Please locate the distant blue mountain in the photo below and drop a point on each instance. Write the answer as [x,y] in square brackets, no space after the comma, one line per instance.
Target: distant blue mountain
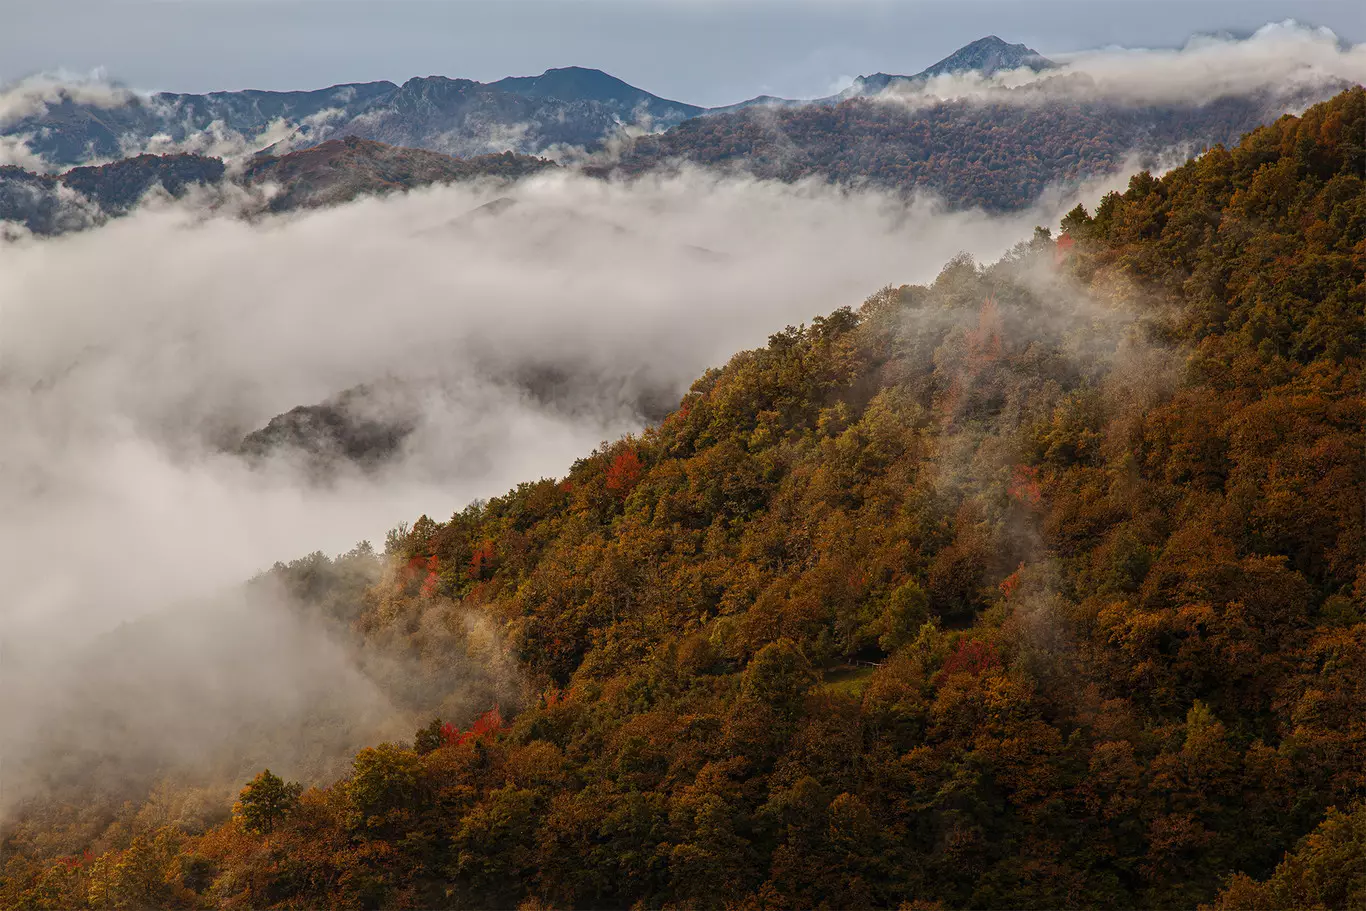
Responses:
[569,106]
[576,83]
[985,55]
[572,106]
[761,101]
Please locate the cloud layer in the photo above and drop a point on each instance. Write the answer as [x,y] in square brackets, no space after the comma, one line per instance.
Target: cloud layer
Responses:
[136,355]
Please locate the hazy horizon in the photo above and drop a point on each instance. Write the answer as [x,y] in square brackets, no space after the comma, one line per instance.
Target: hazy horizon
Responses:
[697,51]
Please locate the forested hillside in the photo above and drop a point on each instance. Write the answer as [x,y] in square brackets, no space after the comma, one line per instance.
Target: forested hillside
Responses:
[998,154]
[1041,586]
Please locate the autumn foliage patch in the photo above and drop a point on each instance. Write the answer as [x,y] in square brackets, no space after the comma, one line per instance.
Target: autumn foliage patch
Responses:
[485,726]
[624,472]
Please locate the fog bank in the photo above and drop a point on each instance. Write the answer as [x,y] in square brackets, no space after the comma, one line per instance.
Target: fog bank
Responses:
[134,357]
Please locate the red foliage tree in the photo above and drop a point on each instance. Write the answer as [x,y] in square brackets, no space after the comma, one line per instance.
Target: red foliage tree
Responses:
[624,472]
[481,562]
[971,656]
[485,726]
[1011,583]
[1063,249]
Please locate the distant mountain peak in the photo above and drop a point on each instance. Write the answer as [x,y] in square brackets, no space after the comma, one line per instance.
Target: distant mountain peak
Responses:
[579,83]
[986,56]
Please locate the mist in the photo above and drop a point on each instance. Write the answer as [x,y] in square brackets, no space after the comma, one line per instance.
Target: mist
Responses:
[1285,60]
[515,336]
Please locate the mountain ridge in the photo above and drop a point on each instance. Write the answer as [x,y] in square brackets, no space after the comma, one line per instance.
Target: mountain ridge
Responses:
[987,56]
[330,173]
[562,106]
[452,115]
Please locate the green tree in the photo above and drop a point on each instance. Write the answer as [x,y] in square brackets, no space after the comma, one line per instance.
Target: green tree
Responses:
[265,801]
[778,676]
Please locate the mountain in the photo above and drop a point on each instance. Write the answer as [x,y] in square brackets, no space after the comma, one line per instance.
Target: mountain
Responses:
[572,106]
[1042,585]
[87,196]
[462,117]
[361,427]
[759,101]
[330,173]
[985,56]
[339,170]
[67,132]
[119,186]
[34,201]
[999,155]
[576,83]
[998,152]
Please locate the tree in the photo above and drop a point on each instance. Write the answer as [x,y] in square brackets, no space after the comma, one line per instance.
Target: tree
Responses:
[624,472]
[778,676]
[428,738]
[266,801]
[907,610]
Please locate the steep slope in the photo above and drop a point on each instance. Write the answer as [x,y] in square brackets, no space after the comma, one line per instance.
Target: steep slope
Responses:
[1041,586]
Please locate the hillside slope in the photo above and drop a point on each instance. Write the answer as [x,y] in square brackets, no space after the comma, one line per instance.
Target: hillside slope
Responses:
[1041,586]
[999,153]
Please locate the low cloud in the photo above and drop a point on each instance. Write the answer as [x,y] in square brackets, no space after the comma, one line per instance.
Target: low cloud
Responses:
[15,150]
[1284,60]
[136,356]
[34,95]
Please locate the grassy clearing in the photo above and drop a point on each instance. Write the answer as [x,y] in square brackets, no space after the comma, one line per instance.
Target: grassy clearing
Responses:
[847,680]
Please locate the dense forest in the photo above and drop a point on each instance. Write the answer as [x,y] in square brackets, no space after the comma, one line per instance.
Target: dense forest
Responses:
[999,155]
[1041,586]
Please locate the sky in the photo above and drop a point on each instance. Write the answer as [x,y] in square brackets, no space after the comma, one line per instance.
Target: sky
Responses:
[707,52]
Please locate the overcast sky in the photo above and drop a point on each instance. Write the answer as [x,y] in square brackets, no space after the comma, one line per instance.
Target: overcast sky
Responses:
[703,51]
